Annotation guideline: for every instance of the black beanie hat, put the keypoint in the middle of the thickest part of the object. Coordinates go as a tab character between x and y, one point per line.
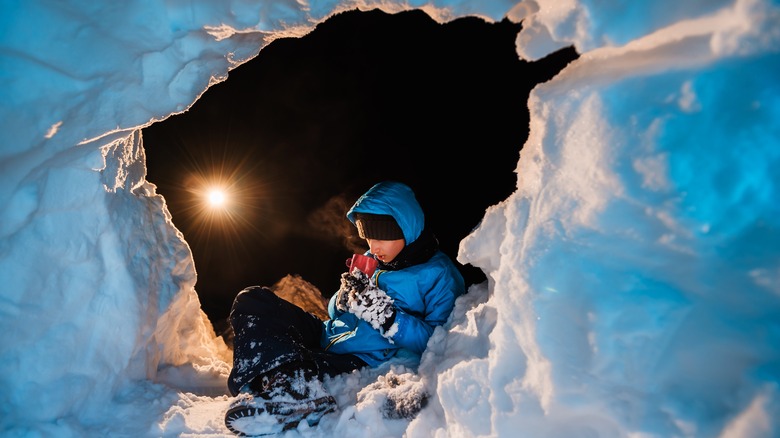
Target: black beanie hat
378	226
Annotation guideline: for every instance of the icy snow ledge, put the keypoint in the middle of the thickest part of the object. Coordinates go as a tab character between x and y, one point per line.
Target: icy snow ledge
637	267
729	25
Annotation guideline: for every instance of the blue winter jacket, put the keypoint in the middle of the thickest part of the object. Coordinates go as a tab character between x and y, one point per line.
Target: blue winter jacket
424	294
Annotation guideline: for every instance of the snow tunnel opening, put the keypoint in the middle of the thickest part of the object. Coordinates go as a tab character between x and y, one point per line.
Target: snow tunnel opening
301	130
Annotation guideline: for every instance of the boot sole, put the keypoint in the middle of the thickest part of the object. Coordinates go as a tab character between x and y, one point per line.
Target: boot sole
287	414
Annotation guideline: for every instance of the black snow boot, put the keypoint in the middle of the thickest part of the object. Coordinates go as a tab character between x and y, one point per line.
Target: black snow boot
278	401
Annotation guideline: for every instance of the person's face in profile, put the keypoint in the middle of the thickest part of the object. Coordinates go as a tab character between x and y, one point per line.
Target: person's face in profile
385	250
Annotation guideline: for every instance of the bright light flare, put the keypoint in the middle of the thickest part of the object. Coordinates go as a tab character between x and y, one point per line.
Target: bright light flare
217	198
220	201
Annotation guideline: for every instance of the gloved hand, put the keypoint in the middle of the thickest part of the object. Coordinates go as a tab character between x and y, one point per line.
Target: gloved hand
356	281
374	306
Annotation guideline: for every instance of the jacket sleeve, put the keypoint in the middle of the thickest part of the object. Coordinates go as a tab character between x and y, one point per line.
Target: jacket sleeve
413	331
333	311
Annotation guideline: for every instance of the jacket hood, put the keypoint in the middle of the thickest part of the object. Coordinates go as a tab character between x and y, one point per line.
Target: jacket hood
394	199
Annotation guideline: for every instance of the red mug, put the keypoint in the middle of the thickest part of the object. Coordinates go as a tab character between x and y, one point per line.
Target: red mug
364	263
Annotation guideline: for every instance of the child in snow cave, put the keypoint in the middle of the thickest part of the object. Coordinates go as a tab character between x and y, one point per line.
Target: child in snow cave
282	353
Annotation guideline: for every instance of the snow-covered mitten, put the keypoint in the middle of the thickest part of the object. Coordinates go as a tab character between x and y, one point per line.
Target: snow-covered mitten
375	307
357	281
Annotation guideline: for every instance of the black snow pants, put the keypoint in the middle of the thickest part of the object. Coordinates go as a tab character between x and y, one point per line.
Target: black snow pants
270	332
